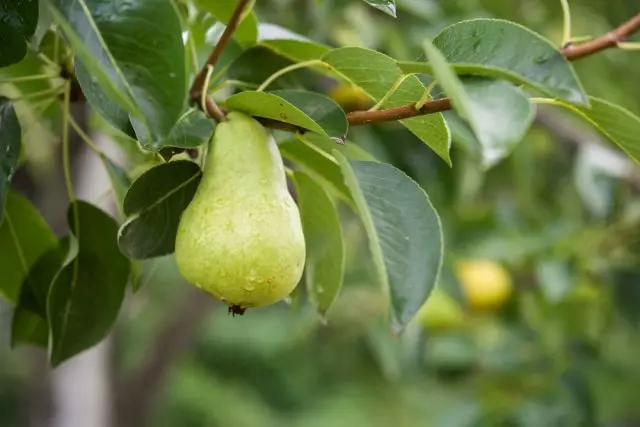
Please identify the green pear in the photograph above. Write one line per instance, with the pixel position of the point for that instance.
(241, 238)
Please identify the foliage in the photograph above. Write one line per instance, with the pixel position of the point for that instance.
(436, 159)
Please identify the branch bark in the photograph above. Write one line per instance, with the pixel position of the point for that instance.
(198, 83)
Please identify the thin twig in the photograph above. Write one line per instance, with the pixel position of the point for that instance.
(198, 83)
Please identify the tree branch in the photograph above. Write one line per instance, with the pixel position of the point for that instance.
(606, 41)
(571, 52)
(198, 83)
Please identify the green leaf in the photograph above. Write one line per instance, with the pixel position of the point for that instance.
(503, 49)
(28, 328)
(87, 293)
(272, 106)
(501, 116)
(290, 45)
(257, 64)
(322, 110)
(108, 38)
(120, 182)
(387, 6)
(318, 164)
(324, 269)
(499, 113)
(156, 200)
(29, 325)
(615, 122)
(247, 32)
(376, 74)
(192, 130)
(18, 22)
(348, 148)
(10, 144)
(24, 237)
(100, 101)
(405, 235)
(82, 34)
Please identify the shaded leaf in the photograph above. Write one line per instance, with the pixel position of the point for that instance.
(192, 130)
(10, 145)
(24, 237)
(102, 103)
(87, 293)
(324, 268)
(29, 324)
(257, 64)
(120, 182)
(405, 235)
(148, 83)
(376, 74)
(503, 49)
(156, 200)
(18, 22)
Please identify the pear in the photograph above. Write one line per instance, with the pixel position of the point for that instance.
(241, 239)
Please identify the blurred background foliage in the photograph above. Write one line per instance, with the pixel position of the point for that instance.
(535, 319)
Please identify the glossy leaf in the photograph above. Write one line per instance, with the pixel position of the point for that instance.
(10, 145)
(387, 6)
(192, 130)
(618, 124)
(107, 40)
(376, 74)
(323, 110)
(87, 293)
(247, 32)
(100, 101)
(503, 49)
(324, 268)
(405, 235)
(82, 33)
(156, 201)
(24, 237)
(272, 106)
(19, 19)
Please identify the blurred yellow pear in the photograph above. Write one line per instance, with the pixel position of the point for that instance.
(486, 284)
(440, 312)
(350, 97)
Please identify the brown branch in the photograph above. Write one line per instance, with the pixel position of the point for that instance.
(606, 41)
(198, 83)
(572, 53)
